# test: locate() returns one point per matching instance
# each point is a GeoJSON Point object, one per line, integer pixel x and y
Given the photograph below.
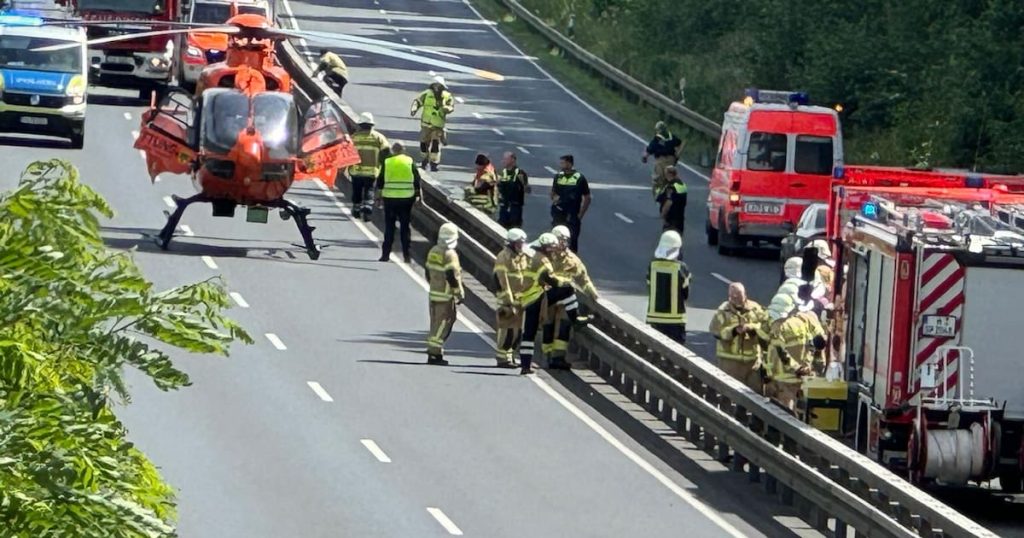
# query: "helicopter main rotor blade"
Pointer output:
{"type": "Point", "coordinates": [383, 51]}
{"type": "Point", "coordinates": [118, 22]}
{"type": "Point", "coordinates": [129, 37]}
{"type": "Point", "coordinates": [345, 38]}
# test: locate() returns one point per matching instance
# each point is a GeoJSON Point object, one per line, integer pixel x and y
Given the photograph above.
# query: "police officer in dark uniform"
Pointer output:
{"type": "Point", "coordinates": [570, 199]}
{"type": "Point", "coordinates": [513, 185]}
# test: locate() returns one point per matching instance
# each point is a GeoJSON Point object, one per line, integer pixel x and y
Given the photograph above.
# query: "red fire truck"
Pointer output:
{"type": "Point", "coordinates": [929, 281]}
{"type": "Point", "coordinates": [144, 63]}
{"type": "Point", "coordinates": [776, 156]}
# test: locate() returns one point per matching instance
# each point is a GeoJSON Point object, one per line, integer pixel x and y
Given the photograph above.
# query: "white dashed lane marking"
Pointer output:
{"type": "Point", "coordinates": [523, 150]}
{"type": "Point", "coordinates": [275, 341]}
{"type": "Point", "coordinates": [320, 391]}
{"type": "Point", "coordinates": [624, 218]}
{"type": "Point", "coordinates": [722, 278]}
{"type": "Point", "coordinates": [209, 262]}
{"type": "Point", "coordinates": [239, 300]}
{"type": "Point", "coordinates": [375, 450]}
{"type": "Point", "coordinates": [448, 524]}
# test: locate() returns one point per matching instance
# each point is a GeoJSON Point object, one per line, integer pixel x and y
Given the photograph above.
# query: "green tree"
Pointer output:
{"type": "Point", "coordinates": [73, 315]}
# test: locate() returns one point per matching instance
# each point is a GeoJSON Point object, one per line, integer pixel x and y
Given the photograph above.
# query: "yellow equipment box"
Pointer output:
{"type": "Point", "coordinates": [824, 403]}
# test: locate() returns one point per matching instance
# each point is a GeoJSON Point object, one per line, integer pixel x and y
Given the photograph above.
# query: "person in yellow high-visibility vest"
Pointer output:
{"type": "Point", "coordinates": [790, 352]}
{"type": "Point", "coordinates": [510, 268]}
{"type": "Point", "coordinates": [668, 285]}
{"type": "Point", "coordinates": [437, 103]}
{"type": "Point", "coordinates": [398, 188]}
{"type": "Point", "coordinates": [444, 276]}
{"type": "Point", "coordinates": [334, 68]}
{"type": "Point", "coordinates": [738, 328]}
{"type": "Point", "coordinates": [373, 148]}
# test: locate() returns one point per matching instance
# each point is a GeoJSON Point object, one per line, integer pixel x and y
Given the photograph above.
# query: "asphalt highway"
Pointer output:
{"type": "Point", "coordinates": [331, 425]}
{"type": "Point", "coordinates": [535, 116]}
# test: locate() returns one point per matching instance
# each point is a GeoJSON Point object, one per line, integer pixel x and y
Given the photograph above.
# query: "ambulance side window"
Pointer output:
{"type": "Point", "coordinates": [767, 152]}
{"type": "Point", "coordinates": [813, 155]}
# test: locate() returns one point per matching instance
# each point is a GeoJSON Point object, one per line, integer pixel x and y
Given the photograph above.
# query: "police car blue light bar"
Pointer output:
{"type": "Point", "coordinates": [17, 19]}
{"type": "Point", "coordinates": [777, 97]}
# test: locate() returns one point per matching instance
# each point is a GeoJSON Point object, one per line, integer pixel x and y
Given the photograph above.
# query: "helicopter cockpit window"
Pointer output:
{"type": "Point", "coordinates": [225, 115]}
{"type": "Point", "coordinates": [276, 118]}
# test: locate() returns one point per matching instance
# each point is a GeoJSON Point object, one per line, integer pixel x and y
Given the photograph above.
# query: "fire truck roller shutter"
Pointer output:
{"type": "Point", "coordinates": [990, 326]}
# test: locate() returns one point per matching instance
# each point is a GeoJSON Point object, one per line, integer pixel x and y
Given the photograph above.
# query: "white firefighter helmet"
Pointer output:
{"type": "Point", "coordinates": [547, 240]}
{"type": "Point", "coordinates": [440, 80]}
{"type": "Point", "coordinates": [824, 251]}
{"type": "Point", "coordinates": [448, 235]}
{"type": "Point", "coordinates": [780, 307]}
{"type": "Point", "coordinates": [790, 287]}
{"type": "Point", "coordinates": [669, 245]}
{"type": "Point", "coordinates": [366, 118]}
{"type": "Point", "coordinates": [515, 235]}
{"type": "Point", "coordinates": [562, 232]}
{"type": "Point", "coordinates": [794, 267]}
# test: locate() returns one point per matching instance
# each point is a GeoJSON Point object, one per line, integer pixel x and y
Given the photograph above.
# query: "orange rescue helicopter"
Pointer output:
{"type": "Point", "coordinates": [240, 137]}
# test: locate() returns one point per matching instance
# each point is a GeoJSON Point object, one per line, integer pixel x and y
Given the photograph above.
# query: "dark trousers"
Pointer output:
{"type": "Point", "coordinates": [572, 221]}
{"type": "Point", "coordinates": [675, 331]}
{"type": "Point", "coordinates": [336, 81]}
{"type": "Point", "coordinates": [399, 210]}
{"type": "Point", "coordinates": [362, 193]}
{"type": "Point", "coordinates": [510, 216]}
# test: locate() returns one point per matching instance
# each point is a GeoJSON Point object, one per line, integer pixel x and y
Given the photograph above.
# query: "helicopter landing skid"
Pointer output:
{"type": "Point", "coordinates": [288, 210]}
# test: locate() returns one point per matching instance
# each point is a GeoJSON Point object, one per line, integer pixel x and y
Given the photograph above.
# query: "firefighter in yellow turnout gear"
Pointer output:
{"type": "Point", "coordinates": [543, 287]}
{"type": "Point", "coordinates": [444, 274]}
{"type": "Point", "coordinates": [568, 267]}
{"type": "Point", "coordinates": [437, 103]}
{"type": "Point", "coordinates": [739, 327]}
{"type": "Point", "coordinates": [668, 283]}
{"type": "Point", "coordinates": [791, 350]}
{"type": "Point", "coordinates": [510, 269]}
{"type": "Point", "coordinates": [373, 148]}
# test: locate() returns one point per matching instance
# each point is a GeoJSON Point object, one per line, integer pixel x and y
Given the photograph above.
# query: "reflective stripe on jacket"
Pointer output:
{"type": "Point", "coordinates": [739, 347]}
{"type": "Point", "coordinates": [510, 270]}
{"type": "Point", "coordinates": [444, 275]}
{"type": "Point", "coordinates": [667, 282]}
{"type": "Point", "coordinates": [435, 113]}
{"type": "Point", "coordinates": [369, 144]}
{"type": "Point", "coordinates": [398, 178]}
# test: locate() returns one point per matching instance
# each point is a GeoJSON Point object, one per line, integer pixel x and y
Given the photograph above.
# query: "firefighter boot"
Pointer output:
{"type": "Point", "coordinates": [436, 358]}
{"type": "Point", "coordinates": [525, 364]}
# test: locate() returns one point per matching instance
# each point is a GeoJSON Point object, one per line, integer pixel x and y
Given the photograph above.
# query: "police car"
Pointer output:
{"type": "Point", "coordinates": [42, 93]}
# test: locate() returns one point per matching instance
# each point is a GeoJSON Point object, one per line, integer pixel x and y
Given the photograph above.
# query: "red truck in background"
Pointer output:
{"type": "Point", "coordinates": [144, 63]}
{"type": "Point", "coordinates": [776, 156]}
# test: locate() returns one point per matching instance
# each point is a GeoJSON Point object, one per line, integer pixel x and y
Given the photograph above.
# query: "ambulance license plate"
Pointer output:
{"type": "Point", "coordinates": [764, 208]}
{"type": "Point", "coordinates": [256, 214]}
{"type": "Point", "coordinates": [119, 60]}
{"type": "Point", "coordinates": [32, 120]}
{"type": "Point", "coordinates": [940, 326]}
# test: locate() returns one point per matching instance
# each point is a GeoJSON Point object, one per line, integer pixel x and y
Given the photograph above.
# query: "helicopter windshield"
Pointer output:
{"type": "Point", "coordinates": [226, 113]}
{"type": "Point", "coordinates": [276, 118]}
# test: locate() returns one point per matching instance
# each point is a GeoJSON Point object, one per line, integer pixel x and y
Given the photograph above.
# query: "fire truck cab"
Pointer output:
{"type": "Point", "coordinates": [776, 156]}
{"type": "Point", "coordinates": [928, 288]}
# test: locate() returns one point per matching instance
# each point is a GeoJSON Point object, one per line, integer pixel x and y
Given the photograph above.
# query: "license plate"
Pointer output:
{"type": "Point", "coordinates": [766, 208]}
{"type": "Point", "coordinates": [256, 214]}
{"type": "Point", "coordinates": [34, 121]}
{"type": "Point", "coordinates": [941, 326]}
{"type": "Point", "coordinates": [119, 60]}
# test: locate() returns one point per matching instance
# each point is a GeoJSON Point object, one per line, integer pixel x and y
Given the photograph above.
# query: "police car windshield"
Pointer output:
{"type": "Point", "coordinates": [16, 53]}
{"type": "Point", "coordinates": [151, 7]}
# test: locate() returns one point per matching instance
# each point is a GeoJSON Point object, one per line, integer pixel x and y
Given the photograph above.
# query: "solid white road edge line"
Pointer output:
{"type": "Point", "coordinates": [209, 262]}
{"type": "Point", "coordinates": [722, 278]}
{"type": "Point", "coordinates": [320, 391]}
{"type": "Point", "coordinates": [239, 300]}
{"type": "Point", "coordinates": [597, 428]}
{"type": "Point", "coordinates": [567, 90]}
{"type": "Point", "coordinates": [680, 492]}
{"type": "Point", "coordinates": [448, 524]}
{"type": "Point", "coordinates": [624, 218]}
{"type": "Point", "coordinates": [375, 450]}
{"type": "Point", "coordinates": [276, 341]}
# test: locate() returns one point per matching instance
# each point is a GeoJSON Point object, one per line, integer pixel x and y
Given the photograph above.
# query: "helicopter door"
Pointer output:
{"type": "Point", "coordinates": [326, 146]}
{"type": "Point", "coordinates": [166, 136]}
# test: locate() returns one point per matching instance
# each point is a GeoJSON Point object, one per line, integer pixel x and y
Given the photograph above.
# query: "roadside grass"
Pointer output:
{"type": "Point", "coordinates": [600, 93]}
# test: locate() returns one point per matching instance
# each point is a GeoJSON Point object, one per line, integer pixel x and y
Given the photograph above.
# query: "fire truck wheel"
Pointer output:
{"type": "Point", "coordinates": [711, 233]}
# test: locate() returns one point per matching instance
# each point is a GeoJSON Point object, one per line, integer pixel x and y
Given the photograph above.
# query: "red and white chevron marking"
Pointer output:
{"type": "Point", "coordinates": [941, 294]}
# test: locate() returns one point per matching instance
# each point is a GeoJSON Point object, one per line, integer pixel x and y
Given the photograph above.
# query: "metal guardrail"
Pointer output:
{"type": "Point", "coordinates": [643, 92]}
{"type": "Point", "coordinates": [834, 487]}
